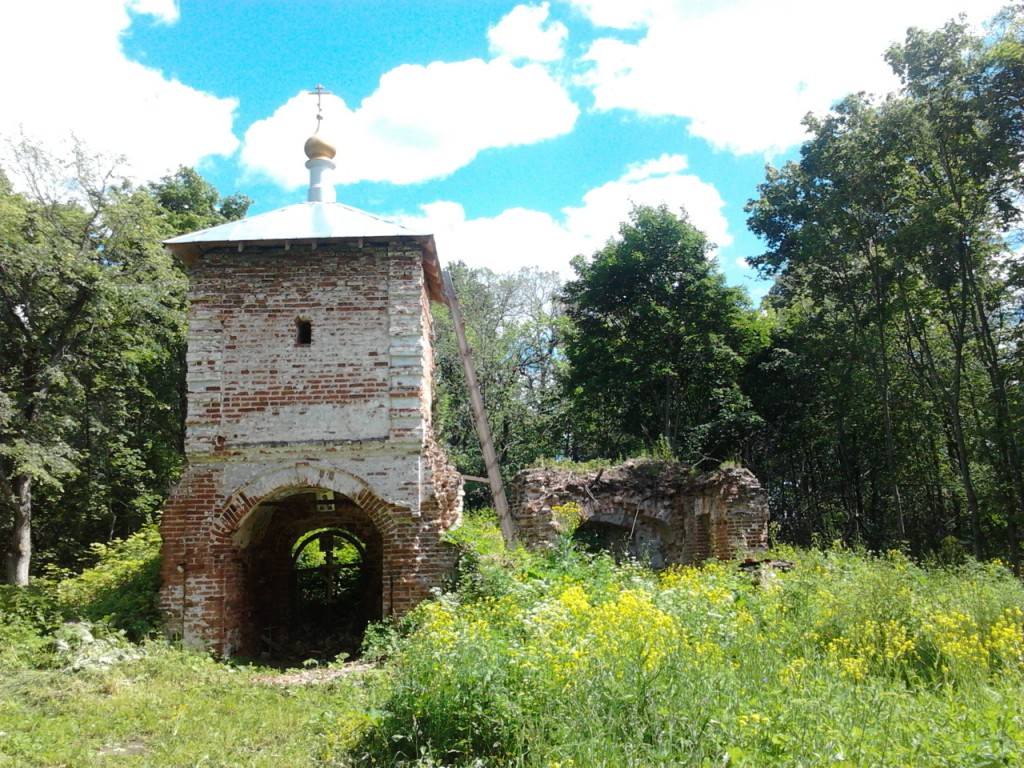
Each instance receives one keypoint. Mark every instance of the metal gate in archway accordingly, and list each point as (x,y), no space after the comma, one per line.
(331,585)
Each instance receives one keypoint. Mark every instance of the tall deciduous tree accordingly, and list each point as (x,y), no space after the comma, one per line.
(656,345)
(91,311)
(513,326)
(188,202)
(889,236)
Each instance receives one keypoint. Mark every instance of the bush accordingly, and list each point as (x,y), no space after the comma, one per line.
(27,616)
(573,660)
(122,588)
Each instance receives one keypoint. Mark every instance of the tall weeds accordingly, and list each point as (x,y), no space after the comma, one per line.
(572,660)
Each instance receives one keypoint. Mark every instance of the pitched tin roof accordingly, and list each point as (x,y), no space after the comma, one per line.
(313,222)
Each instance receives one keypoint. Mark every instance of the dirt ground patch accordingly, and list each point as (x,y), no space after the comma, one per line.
(314,676)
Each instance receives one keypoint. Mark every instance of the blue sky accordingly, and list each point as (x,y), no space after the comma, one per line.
(518,133)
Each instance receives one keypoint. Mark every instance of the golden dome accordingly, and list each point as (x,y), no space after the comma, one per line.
(318,147)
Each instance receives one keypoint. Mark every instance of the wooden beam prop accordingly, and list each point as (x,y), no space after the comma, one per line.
(480,416)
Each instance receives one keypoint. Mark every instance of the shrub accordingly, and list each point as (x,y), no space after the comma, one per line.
(27,616)
(574,660)
(122,588)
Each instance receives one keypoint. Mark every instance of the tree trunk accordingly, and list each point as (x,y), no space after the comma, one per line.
(884,385)
(950,395)
(1005,431)
(19,552)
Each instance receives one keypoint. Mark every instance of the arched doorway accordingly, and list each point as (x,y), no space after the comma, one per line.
(331,584)
(640,538)
(596,536)
(314,574)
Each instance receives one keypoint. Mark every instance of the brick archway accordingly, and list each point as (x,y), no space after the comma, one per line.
(253,571)
(640,536)
(241,503)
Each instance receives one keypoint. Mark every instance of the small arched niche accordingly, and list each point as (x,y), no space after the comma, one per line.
(303,332)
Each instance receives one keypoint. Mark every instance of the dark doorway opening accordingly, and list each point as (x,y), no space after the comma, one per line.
(314,564)
(331,588)
(595,536)
(642,539)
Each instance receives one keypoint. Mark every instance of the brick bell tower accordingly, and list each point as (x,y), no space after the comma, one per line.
(315,496)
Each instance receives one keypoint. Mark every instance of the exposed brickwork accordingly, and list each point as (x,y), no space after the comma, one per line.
(669,514)
(271,419)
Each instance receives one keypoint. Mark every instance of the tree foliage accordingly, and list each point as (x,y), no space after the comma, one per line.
(899,305)
(656,344)
(91,370)
(513,324)
(187,202)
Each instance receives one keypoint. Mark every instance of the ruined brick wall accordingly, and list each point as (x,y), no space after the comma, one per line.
(670,514)
(269,416)
(736,509)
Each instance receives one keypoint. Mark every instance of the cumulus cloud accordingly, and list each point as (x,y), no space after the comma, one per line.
(616,14)
(651,183)
(743,72)
(524,34)
(515,238)
(66,72)
(422,122)
(523,238)
(666,164)
(165,11)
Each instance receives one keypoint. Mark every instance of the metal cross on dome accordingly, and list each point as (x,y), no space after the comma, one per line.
(318,92)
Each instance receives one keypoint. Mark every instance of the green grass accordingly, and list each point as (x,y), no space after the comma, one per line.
(574,661)
(171,708)
(561,660)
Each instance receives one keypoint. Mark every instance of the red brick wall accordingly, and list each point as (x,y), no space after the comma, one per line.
(674,515)
(349,412)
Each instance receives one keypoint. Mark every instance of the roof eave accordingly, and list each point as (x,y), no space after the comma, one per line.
(191,251)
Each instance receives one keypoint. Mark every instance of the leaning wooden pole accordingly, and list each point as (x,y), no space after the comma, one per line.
(480,416)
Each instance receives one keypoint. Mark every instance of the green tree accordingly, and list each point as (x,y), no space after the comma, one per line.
(91,354)
(513,327)
(188,202)
(888,242)
(656,344)
(968,154)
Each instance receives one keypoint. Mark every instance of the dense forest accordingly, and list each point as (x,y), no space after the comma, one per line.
(876,391)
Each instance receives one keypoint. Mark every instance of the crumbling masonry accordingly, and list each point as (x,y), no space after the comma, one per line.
(309,401)
(658,512)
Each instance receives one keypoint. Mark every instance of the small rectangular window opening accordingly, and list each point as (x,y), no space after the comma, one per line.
(303,332)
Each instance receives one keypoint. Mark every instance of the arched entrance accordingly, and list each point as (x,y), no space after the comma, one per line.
(313,563)
(596,536)
(331,585)
(638,538)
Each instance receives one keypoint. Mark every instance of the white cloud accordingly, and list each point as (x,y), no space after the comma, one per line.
(421,122)
(523,238)
(663,165)
(652,183)
(165,11)
(616,14)
(515,238)
(66,73)
(746,72)
(522,34)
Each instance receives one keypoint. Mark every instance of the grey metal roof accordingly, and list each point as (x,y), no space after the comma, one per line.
(306,222)
(301,221)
